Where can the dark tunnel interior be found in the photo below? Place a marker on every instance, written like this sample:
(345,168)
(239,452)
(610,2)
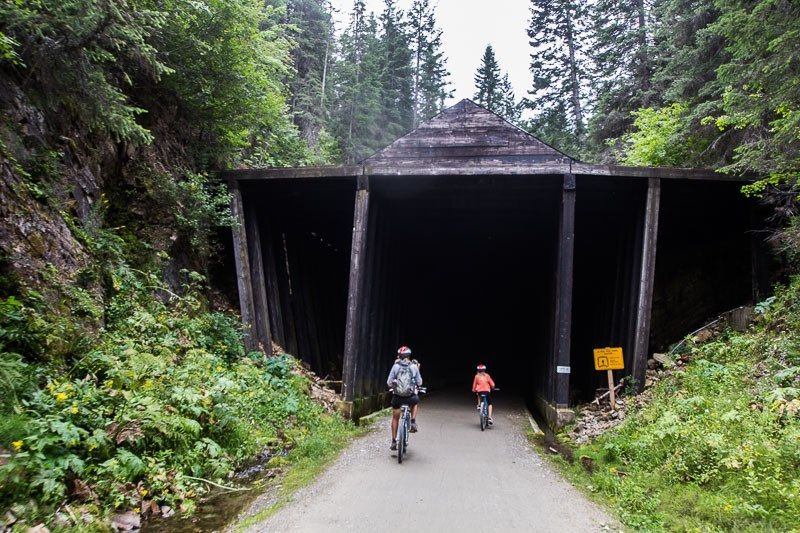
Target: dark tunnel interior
(705,262)
(470,276)
(305,229)
(462,270)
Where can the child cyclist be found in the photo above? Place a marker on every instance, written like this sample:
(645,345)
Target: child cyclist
(482,385)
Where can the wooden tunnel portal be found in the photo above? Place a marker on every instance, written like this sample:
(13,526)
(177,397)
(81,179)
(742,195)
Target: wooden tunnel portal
(472,241)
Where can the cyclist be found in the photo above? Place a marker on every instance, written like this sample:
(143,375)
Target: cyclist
(404,379)
(482,385)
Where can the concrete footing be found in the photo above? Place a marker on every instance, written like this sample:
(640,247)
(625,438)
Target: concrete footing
(363,406)
(557,416)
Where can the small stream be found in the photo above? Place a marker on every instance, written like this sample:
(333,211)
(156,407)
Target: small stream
(220,507)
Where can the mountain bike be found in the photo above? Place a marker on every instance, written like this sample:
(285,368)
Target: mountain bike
(484,411)
(404,428)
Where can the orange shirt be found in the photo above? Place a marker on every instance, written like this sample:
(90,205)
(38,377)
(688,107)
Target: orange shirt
(482,383)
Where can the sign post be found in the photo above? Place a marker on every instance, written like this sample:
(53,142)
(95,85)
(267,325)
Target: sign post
(609,359)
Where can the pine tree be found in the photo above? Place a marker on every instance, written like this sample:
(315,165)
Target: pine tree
(623,69)
(509,107)
(356,92)
(494,92)
(311,57)
(430,73)
(488,90)
(559,67)
(396,74)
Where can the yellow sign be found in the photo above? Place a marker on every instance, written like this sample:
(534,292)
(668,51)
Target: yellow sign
(608,359)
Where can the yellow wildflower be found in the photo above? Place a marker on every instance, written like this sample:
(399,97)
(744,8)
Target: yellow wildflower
(61,396)
(142,492)
(17,444)
(148,384)
(74,408)
(728,508)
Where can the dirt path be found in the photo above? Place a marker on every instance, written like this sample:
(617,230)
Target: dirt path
(454,478)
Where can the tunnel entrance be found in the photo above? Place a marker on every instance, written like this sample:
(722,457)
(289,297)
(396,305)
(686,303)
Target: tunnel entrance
(472,241)
(468,275)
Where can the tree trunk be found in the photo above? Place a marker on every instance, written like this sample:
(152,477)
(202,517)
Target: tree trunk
(644,70)
(573,73)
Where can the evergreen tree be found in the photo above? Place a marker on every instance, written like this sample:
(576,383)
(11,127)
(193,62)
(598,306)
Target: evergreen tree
(430,73)
(493,91)
(310,57)
(396,97)
(622,61)
(356,99)
(510,109)
(488,90)
(558,36)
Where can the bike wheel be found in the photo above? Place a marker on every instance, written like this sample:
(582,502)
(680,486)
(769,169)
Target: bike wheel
(401,443)
(484,420)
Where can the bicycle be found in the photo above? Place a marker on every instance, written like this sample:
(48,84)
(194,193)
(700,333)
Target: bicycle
(484,411)
(404,428)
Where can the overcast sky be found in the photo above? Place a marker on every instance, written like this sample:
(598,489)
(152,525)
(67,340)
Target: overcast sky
(469,25)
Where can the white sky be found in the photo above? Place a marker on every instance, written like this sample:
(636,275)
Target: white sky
(469,25)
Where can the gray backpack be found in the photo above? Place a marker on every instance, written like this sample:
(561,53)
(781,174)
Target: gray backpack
(404,385)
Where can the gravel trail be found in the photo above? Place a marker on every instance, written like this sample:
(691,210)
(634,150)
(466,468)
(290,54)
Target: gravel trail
(454,478)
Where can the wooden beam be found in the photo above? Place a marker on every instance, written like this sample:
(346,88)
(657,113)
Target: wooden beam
(511,165)
(563,300)
(352,364)
(242,261)
(260,305)
(646,277)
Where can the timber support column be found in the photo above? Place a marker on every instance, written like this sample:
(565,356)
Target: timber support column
(242,260)
(352,363)
(258,279)
(563,301)
(646,278)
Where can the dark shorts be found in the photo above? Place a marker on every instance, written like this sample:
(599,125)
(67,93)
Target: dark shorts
(487,396)
(397,401)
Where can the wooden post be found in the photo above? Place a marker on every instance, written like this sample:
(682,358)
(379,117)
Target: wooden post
(241,257)
(260,306)
(611,394)
(646,278)
(563,300)
(352,338)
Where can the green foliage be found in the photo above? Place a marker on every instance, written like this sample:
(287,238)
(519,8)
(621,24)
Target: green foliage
(657,139)
(558,34)
(717,447)
(76,48)
(759,84)
(162,392)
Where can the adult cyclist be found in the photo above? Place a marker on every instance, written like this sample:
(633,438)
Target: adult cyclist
(404,379)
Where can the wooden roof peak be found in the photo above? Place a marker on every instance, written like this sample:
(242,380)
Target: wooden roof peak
(466,134)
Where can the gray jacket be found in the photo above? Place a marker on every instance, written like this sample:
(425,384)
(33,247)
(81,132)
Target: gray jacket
(396,368)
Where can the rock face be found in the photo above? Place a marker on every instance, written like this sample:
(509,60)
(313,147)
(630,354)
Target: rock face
(44,182)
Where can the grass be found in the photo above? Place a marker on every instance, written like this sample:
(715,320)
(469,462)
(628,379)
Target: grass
(306,462)
(718,448)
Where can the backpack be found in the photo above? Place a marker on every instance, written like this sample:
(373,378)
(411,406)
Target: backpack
(404,385)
